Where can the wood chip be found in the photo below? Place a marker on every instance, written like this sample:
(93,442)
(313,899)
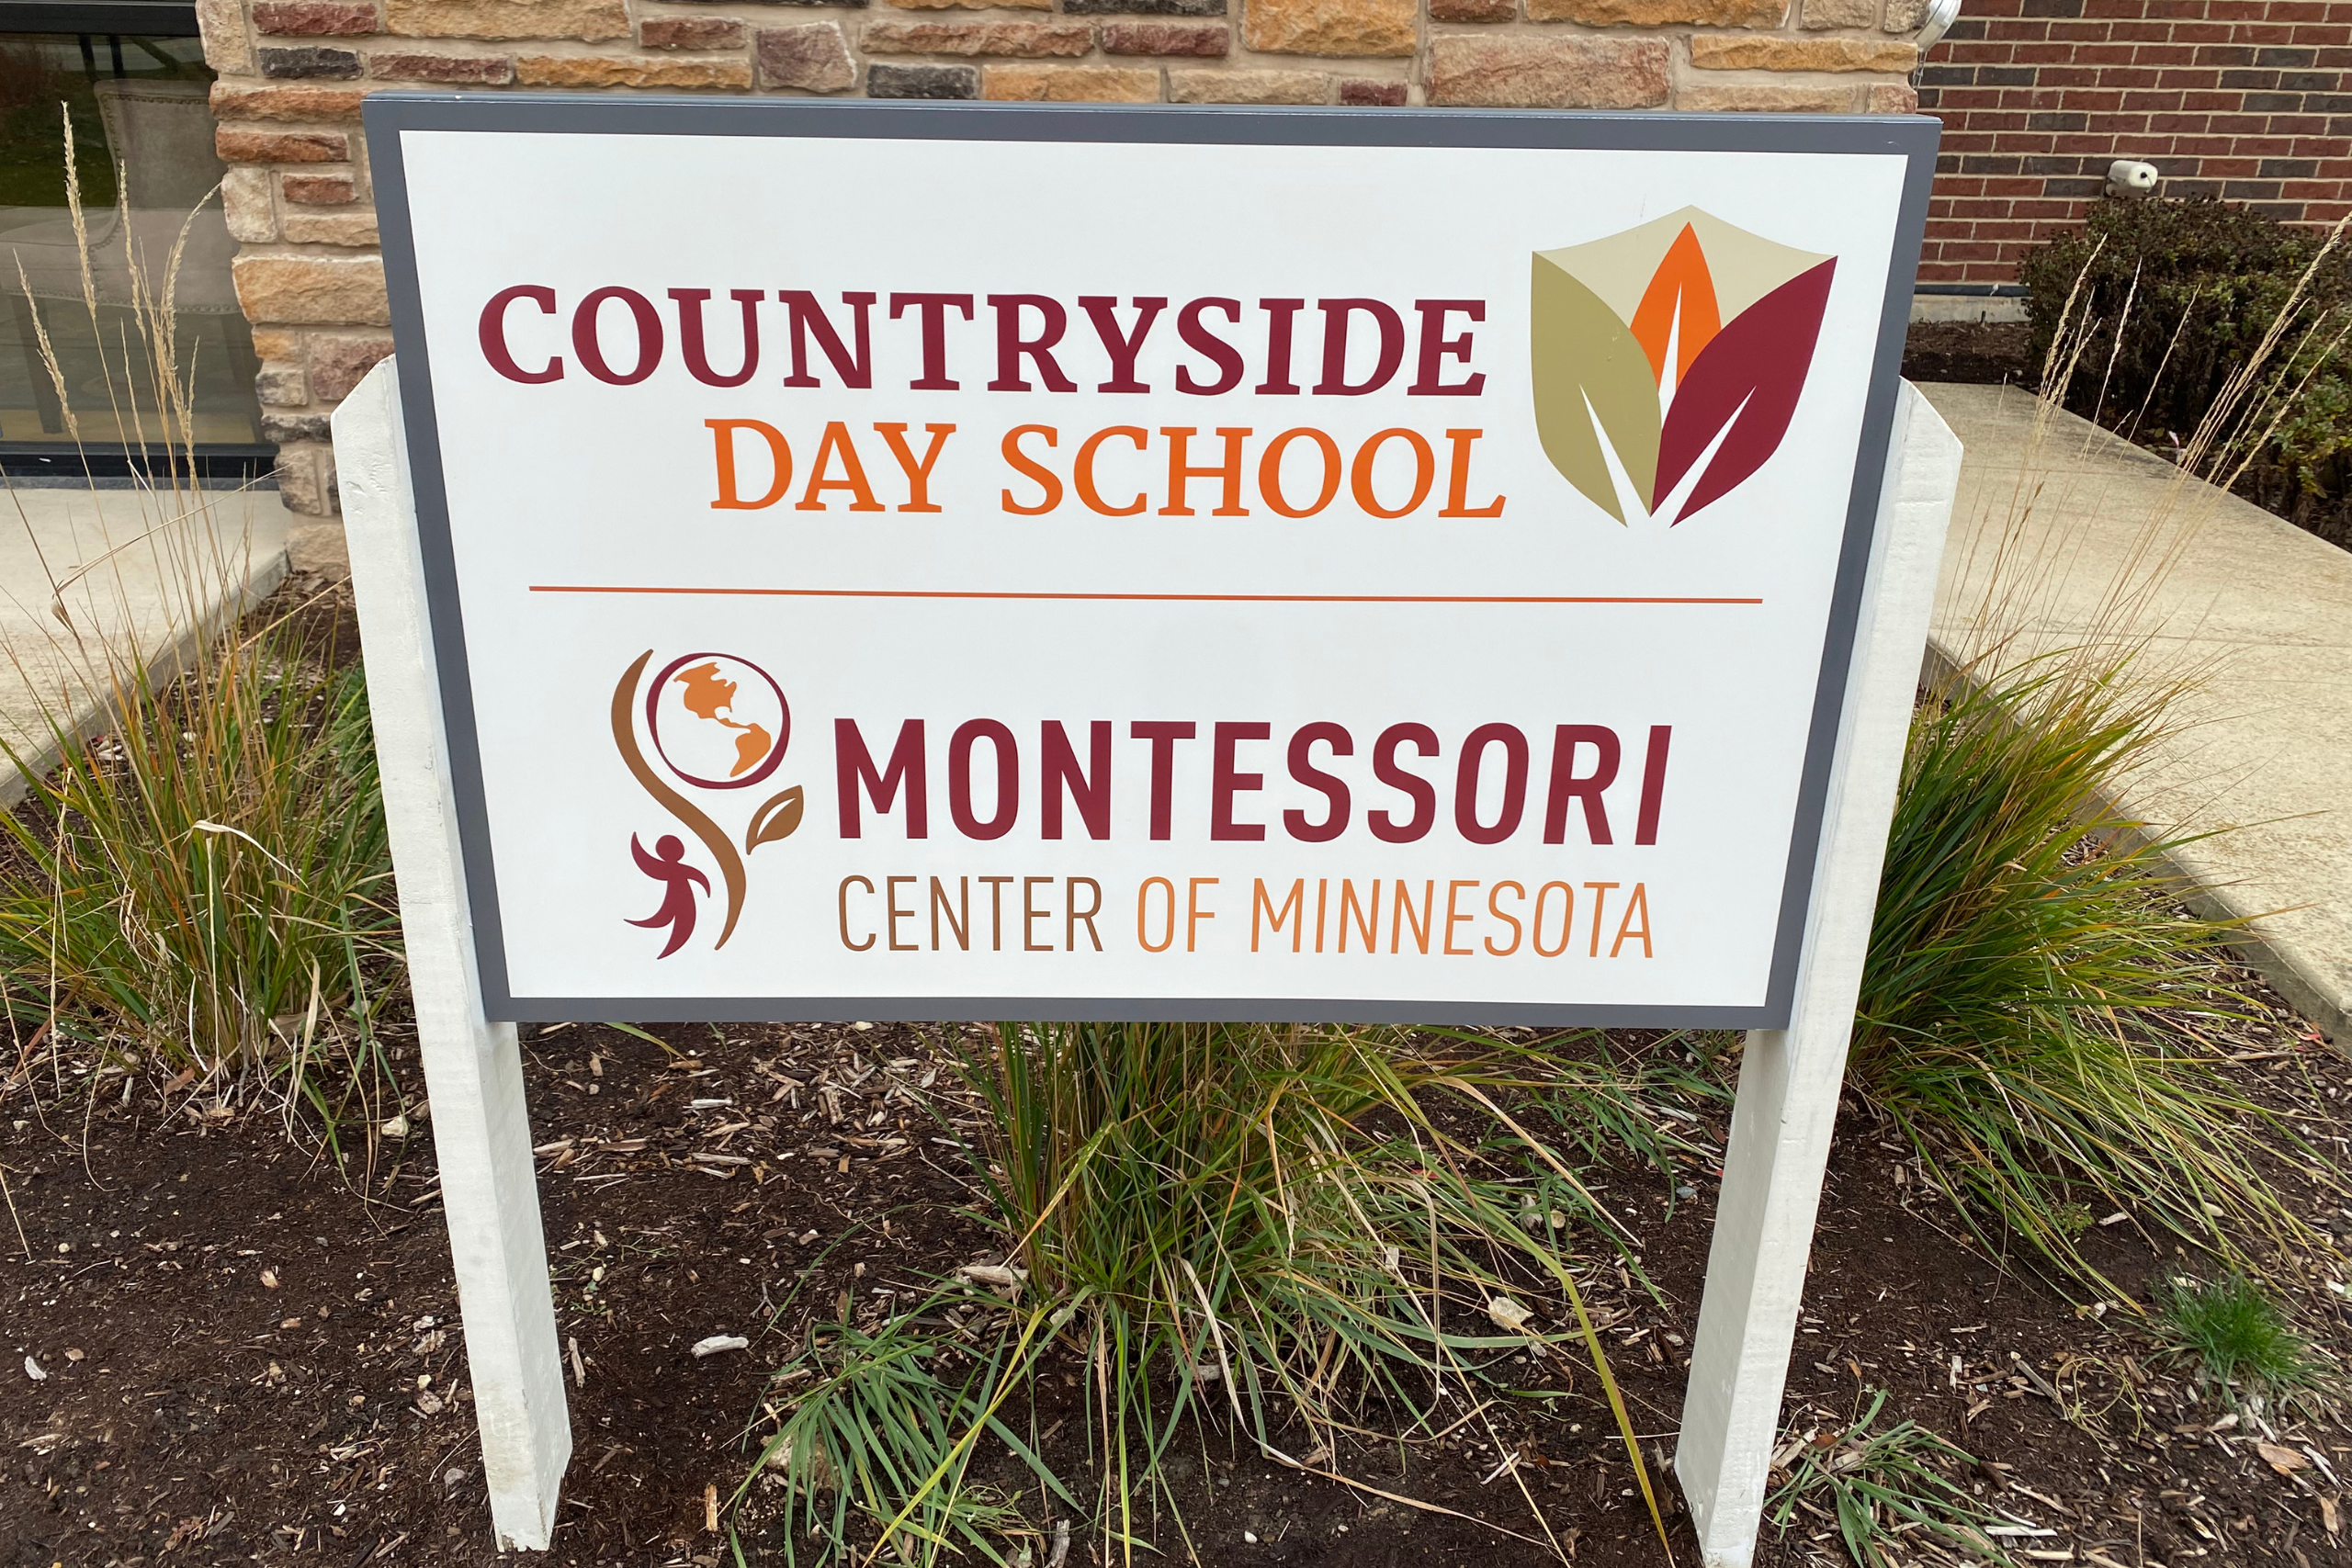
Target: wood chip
(2285,1460)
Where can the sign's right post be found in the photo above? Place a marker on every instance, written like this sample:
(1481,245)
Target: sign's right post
(1790,1078)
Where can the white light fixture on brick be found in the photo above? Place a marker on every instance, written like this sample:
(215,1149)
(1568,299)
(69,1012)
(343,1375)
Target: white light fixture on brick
(1941,14)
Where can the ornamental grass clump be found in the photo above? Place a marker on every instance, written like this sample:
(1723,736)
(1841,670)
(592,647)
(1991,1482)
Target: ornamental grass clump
(1903,1483)
(199,876)
(2231,1334)
(1306,1239)
(2036,1009)
(1270,1223)
(207,883)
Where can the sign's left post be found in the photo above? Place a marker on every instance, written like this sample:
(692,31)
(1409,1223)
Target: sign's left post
(473,1076)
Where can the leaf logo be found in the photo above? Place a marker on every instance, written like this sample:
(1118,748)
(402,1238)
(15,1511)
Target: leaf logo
(712,724)
(1667,359)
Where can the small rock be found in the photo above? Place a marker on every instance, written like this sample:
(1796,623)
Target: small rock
(75,1356)
(395,1128)
(1508,1315)
(32,1370)
(719,1343)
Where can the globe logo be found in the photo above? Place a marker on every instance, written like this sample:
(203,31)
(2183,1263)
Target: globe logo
(719,721)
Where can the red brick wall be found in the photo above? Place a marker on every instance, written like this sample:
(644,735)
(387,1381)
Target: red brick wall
(2242,99)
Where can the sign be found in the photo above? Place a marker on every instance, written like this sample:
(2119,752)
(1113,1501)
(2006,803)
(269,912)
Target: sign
(929,560)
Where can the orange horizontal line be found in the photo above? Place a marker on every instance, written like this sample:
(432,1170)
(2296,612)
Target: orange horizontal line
(1174,598)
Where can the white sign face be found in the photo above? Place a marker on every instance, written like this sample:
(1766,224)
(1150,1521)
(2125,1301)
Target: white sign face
(931,561)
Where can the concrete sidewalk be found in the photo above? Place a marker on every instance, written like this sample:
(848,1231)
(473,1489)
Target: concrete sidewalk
(87,574)
(2106,534)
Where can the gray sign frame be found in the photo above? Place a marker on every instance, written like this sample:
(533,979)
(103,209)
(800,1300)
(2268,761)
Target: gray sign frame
(388,115)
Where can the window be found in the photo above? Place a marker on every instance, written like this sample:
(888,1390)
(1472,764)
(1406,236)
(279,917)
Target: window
(130,79)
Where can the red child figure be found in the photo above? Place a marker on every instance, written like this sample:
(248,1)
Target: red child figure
(677,910)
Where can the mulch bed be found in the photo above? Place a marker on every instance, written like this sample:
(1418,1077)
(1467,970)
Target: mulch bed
(246,1359)
(1990,353)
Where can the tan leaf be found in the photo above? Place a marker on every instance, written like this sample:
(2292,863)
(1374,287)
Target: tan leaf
(2285,1460)
(775,819)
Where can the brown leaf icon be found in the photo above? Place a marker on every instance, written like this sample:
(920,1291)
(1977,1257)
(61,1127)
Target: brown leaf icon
(774,820)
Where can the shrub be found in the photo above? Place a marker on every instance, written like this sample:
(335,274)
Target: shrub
(2157,305)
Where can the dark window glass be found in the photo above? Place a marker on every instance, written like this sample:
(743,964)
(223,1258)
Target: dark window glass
(142,133)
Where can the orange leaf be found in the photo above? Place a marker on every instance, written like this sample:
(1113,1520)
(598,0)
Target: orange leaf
(1682,288)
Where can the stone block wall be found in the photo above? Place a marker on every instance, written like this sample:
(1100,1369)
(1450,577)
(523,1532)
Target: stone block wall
(2244,100)
(292,74)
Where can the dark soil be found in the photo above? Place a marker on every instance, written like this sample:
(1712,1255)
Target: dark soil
(1981,353)
(247,1359)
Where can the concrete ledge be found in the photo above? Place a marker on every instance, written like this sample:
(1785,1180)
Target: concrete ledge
(2093,536)
(88,576)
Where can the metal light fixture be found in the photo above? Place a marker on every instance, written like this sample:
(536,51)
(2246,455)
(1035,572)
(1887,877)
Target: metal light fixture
(1941,15)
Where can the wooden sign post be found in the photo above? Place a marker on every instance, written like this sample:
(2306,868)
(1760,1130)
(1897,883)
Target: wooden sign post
(1460,568)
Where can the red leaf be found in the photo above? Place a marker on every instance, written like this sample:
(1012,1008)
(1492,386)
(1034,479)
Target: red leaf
(1749,377)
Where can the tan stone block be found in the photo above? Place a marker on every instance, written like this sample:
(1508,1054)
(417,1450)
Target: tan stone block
(974,4)
(242,144)
(1249,87)
(277,343)
(1488,71)
(1892,97)
(319,547)
(589,20)
(691,32)
(1071,84)
(227,49)
(246,203)
(1906,16)
(1025,40)
(812,57)
(233,100)
(1802,54)
(606,70)
(301,484)
(1661,13)
(337,362)
(353,229)
(1765,100)
(1471,10)
(1194,40)
(1821,13)
(343,290)
(1331,27)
